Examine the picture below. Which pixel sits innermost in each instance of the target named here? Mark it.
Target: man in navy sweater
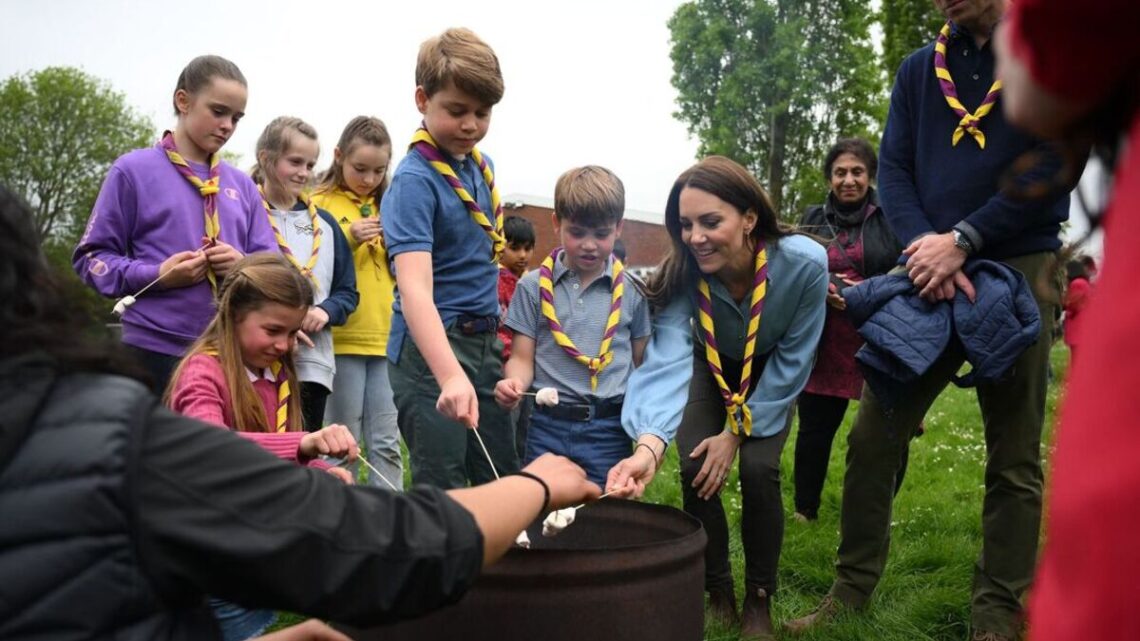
(944, 153)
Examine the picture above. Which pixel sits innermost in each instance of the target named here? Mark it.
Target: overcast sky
(586, 81)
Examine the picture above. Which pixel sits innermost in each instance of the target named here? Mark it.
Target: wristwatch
(962, 241)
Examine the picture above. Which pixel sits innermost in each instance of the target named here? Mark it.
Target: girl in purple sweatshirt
(177, 216)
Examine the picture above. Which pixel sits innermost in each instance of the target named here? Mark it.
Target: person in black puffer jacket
(860, 244)
(119, 516)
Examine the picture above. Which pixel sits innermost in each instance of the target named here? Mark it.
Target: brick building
(643, 233)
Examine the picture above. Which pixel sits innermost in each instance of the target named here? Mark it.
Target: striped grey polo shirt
(583, 314)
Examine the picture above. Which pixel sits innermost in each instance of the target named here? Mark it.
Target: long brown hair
(255, 281)
(361, 130)
(729, 181)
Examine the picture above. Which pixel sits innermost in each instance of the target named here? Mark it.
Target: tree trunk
(776, 159)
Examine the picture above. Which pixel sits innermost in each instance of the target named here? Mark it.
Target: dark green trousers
(1013, 412)
(443, 452)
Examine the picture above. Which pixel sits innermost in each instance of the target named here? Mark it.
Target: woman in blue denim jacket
(739, 296)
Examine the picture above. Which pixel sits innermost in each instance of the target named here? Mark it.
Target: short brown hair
(857, 147)
(593, 196)
(459, 57)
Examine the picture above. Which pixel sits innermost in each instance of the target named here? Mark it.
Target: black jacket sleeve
(216, 514)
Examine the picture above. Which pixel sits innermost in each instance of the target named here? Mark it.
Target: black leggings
(762, 510)
(159, 367)
(820, 418)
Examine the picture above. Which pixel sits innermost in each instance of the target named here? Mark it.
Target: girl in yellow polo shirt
(362, 396)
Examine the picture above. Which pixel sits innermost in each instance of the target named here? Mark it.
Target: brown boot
(722, 606)
(824, 613)
(980, 635)
(756, 619)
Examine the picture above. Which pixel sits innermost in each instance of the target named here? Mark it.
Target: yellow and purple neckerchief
(286, 251)
(423, 143)
(546, 293)
(365, 206)
(969, 121)
(739, 415)
(207, 188)
(281, 378)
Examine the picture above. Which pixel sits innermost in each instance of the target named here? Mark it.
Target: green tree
(60, 130)
(773, 83)
(907, 25)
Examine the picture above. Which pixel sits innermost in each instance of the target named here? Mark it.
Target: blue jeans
(596, 445)
(361, 400)
(238, 623)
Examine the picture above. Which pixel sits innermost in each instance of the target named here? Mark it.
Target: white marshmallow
(546, 396)
(522, 540)
(122, 304)
(557, 521)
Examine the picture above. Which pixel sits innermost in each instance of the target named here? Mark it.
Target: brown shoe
(756, 619)
(980, 635)
(722, 606)
(824, 613)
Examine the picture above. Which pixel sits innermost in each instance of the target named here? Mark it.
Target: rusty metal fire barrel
(622, 570)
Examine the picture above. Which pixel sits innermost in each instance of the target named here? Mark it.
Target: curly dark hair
(36, 315)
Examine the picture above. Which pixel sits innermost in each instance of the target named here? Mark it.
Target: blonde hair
(361, 130)
(255, 281)
(593, 196)
(459, 57)
(274, 142)
(201, 71)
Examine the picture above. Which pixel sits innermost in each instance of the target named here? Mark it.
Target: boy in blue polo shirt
(581, 326)
(442, 220)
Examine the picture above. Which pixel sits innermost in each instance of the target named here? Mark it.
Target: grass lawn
(936, 537)
(925, 592)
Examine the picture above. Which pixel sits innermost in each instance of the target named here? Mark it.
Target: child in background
(362, 396)
(311, 240)
(176, 210)
(443, 224)
(512, 265)
(580, 327)
(1076, 299)
(240, 375)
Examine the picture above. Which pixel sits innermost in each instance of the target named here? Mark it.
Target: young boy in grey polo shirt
(580, 326)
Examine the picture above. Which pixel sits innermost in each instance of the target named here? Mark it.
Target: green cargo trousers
(444, 453)
(1013, 412)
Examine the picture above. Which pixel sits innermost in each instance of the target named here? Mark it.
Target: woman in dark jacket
(859, 244)
(118, 516)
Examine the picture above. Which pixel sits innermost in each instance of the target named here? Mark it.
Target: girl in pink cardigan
(240, 373)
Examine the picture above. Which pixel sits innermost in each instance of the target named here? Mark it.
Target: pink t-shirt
(200, 392)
